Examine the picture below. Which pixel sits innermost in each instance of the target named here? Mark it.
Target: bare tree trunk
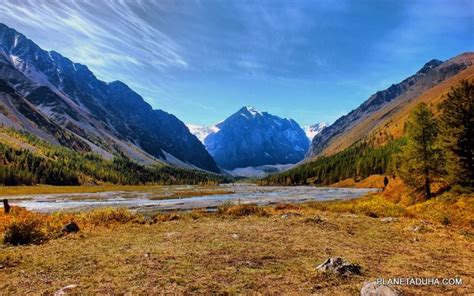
(6, 206)
(427, 187)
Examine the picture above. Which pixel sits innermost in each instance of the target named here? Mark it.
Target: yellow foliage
(447, 209)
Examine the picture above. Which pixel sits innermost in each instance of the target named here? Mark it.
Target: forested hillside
(358, 161)
(27, 160)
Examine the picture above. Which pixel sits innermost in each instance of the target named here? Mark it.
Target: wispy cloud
(188, 56)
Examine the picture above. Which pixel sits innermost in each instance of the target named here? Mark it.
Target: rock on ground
(374, 289)
(71, 227)
(64, 290)
(339, 266)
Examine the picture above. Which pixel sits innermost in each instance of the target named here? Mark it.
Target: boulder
(374, 289)
(71, 227)
(339, 266)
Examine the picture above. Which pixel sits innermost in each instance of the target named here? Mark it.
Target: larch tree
(457, 133)
(421, 159)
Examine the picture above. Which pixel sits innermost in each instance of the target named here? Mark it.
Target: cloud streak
(189, 56)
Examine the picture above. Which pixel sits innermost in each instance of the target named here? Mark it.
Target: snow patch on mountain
(253, 111)
(313, 130)
(201, 131)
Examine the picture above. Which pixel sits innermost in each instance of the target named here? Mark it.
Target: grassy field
(241, 249)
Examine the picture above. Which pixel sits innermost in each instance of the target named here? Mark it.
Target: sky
(202, 60)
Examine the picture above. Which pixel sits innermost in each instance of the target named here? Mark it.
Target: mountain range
(381, 118)
(64, 103)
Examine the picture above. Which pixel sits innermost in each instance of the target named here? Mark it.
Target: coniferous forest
(358, 161)
(56, 165)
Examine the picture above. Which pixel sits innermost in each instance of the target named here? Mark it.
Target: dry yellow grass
(214, 254)
(239, 250)
(374, 181)
(349, 182)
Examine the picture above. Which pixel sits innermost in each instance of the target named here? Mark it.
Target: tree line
(358, 162)
(56, 165)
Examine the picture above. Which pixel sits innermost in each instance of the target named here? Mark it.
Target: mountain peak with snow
(249, 110)
(313, 130)
(201, 131)
(251, 138)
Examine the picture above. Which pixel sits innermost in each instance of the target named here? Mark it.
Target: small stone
(71, 227)
(374, 289)
(234, 235)
(290, 214)
(339, 266)
(389, 219)
(171, 234)
(64, 290)
(351, 215)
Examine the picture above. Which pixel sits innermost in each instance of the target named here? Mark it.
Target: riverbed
(177, 198)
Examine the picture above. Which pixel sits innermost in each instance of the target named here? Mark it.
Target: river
(169, 198)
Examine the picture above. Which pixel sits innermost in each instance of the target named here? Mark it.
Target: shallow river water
(168, 197)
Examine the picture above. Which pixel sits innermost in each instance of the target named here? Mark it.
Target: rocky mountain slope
(251, 138)
(64, 103)
(382, 116)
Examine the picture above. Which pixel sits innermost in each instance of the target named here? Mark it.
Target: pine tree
(421, 158)
(457, 133)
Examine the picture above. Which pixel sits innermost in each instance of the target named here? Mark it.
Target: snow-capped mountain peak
(313, 130)
(250, 138)
(253, 110)
(201, 131)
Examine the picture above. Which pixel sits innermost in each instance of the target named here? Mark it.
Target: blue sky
(203, 59)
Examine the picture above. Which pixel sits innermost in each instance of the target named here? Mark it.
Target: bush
(242, 210)
(108, 215)
(287, 206)
(23, 232)
(165, 217)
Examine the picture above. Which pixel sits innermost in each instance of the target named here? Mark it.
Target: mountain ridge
(109, 117)
(379, 109)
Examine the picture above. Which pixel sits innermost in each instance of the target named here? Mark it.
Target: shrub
(108, 215)
(165, 217)
(287, 206)
(242, 210)
(24, 231)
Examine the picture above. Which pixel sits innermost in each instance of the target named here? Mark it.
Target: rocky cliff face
(107, 117)
(386, 106)
(251, 138)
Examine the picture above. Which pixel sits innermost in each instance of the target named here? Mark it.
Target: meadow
(244, 248)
